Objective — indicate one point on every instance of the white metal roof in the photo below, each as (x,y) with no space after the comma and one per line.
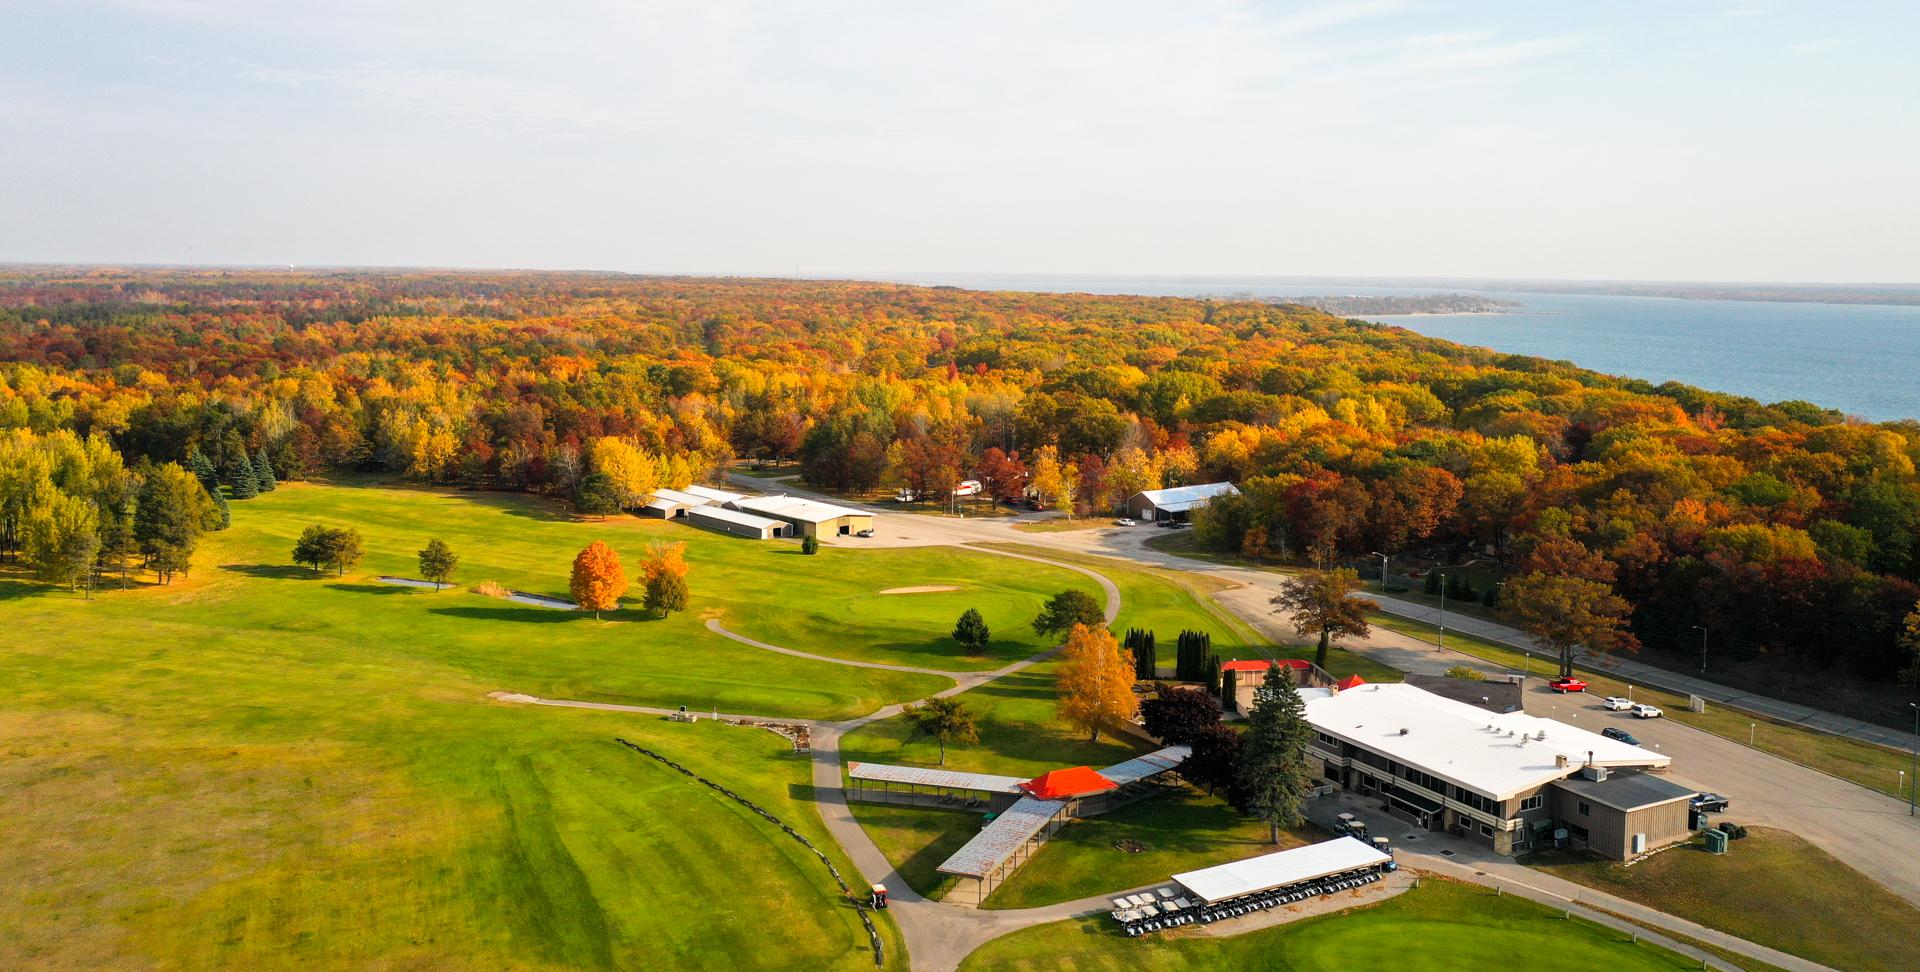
(805,510)
(1278,870)
(1494,754)
(933,777)
(664,505)
(1176,499)
(712,495)
(1152,764)
(678,497)
(733,516)
(998,840)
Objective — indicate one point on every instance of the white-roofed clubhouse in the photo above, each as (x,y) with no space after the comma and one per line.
(1175,502)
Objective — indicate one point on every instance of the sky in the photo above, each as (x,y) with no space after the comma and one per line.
(1744,140)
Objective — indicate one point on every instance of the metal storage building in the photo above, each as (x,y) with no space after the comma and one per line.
(808,517)
(737,523)
(1177,502)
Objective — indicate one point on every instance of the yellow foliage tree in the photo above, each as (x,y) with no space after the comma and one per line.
(634,473)
(664,560)
(1096,681)
(598,580)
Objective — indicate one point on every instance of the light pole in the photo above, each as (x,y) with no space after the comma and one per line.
(1442,642)
(1911,792)
(1703,647)
(1383,569)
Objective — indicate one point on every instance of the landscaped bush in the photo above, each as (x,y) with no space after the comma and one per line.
(1733,830)
(1466,674)
(490,589)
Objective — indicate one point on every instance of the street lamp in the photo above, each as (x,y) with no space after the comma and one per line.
(1703,648)
(1383,569)
(1442,642)
(1915,706)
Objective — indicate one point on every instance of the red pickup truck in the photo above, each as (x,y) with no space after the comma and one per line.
(1567,685)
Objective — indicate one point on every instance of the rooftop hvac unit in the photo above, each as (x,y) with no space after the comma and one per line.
(1560,761)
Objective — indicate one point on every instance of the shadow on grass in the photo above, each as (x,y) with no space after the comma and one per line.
(12,589)
(515,504)
(531,614)
(371,588)
(277,571)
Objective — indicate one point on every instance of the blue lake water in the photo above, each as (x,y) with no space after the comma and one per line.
(1862,359)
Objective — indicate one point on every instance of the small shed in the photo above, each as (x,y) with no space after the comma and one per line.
(670,504)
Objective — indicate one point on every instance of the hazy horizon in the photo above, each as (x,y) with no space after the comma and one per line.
(1747,141)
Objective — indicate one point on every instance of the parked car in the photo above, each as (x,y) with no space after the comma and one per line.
(865,533)
(1709,802)
(1567,685)
(1621,734)
(1644,711)
(1167,524)
(1124,521)
(1616,703)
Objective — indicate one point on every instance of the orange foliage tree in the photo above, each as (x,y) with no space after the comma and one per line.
(1096,681)
(664,575)
(598,580)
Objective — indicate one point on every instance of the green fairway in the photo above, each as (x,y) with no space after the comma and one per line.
(916,840)
(1439,925)
(1020,734)
(261,767)
(1773,888)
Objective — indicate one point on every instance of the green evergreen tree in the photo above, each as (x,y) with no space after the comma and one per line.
(666,593)
(1274,773)
(221,515)
(1491,596)
(1432,583)
(202,469)
(240,478)
(1230,690)
(971,632)
(263,472)
(810,545)
(437,562)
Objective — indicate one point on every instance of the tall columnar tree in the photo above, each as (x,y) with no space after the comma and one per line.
(944,721)
(1067,609)
(1230,690)
(437,561)
(263,471)
(971,632)
(202,469)
(1096,681)
(1274,773)
(597,580)
(1320,603)
(1566,614)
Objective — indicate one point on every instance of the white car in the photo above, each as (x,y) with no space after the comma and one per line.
(1617,704)
(1644,711)
(1124,521)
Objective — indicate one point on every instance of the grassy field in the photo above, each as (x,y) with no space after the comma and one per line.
(259,767)
(916,840)
(1874,767)
(1181,830)
(1064,525)
(1772,888)
(1439,925)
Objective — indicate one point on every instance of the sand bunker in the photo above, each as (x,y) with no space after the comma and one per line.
(930,589)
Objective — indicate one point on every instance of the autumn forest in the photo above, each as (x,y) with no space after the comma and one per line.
(131,400)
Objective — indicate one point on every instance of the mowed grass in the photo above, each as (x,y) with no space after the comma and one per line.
(258,767)
(916,840)
(1182,829)
(1439,925)
(1772,888)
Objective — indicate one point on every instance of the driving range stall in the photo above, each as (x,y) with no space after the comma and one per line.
(723,520)
(1242,887)
(808,517)
(1175,502)
(1446,765)
(924,787)
(1022,814)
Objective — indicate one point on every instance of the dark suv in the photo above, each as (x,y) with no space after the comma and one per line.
(1621,734)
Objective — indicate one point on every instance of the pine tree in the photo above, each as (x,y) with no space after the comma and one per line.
(222,515)
(263,472)
(1491,598)
(1432,583)
(240,478)
(202,469)
(1230,690)
(1273,765)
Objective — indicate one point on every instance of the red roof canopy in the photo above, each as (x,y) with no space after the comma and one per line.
(1061,784)
(1261,665)
(1350,681)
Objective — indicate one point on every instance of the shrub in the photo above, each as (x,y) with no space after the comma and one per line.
(489,588)
(1466,674)
(810,545)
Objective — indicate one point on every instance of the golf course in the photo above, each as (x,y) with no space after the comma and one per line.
(264,765)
